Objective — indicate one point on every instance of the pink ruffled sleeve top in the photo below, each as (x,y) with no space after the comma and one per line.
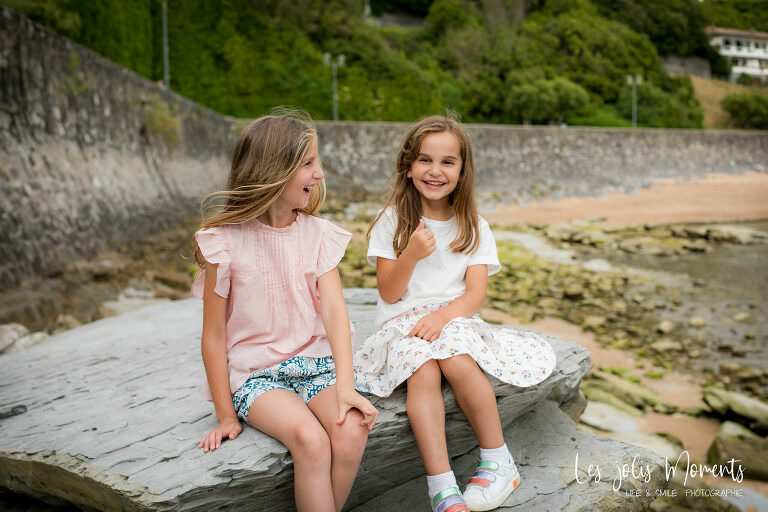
(269,277)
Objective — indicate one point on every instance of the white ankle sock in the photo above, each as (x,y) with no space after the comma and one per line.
(500,454)
(437,483)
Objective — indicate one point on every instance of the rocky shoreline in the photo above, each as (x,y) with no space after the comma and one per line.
(666,323)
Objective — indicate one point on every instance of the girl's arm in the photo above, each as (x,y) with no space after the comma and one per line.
(214,351)
(430,326)
(392,276)
(333,311)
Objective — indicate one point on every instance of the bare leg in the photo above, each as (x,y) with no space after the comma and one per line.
(426,413)
(283,415)
(476,398)
(347,442)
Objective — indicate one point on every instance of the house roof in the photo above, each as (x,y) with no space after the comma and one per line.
(713,30)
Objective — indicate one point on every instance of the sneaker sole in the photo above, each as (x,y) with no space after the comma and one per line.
(514,484)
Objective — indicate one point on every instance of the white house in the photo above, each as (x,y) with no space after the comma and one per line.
(746,50)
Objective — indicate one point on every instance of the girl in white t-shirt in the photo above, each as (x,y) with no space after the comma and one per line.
(433,255)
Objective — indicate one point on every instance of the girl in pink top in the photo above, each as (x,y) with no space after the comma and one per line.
(276,341)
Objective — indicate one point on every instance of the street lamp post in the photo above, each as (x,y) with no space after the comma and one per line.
(166,66)
(334,63)
(634,81)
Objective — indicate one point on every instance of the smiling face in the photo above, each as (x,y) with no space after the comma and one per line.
(435,172)
(308,175)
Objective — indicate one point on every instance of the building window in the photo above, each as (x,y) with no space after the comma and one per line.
(738,45)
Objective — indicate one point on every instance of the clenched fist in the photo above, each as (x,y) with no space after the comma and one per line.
(422,242)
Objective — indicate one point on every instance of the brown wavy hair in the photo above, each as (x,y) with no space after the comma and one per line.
(266,155)
(404,197)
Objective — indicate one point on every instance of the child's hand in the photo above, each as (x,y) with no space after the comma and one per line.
(422,242)
(229,428)
(429,327)
(351,399)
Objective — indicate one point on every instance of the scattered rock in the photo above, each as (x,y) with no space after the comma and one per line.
(697,321)
(599,395)
(736,234)
(736,442)
(665,326)
(747,407)
(696,231)
(666,345)
(9,334)
(177,280)
(731,430)
(65,323)
(162,291)
(619,307)
(27,341)
(628,392)
(593,323)
(605,417)
(654,443)
(744,317)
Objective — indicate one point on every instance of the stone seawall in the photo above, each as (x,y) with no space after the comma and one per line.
(93,156)
(530,162)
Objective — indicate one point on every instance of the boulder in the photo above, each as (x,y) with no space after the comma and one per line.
(725,402)
(113,418)
(627,391)
(605,417)
(736,442)
(28,340)
(9,334)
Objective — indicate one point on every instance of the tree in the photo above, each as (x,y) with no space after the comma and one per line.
(747,110)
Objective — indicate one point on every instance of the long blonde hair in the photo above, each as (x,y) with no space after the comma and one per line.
(406,200)
(267,154)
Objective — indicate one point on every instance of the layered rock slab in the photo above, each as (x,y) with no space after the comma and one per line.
(545,444)
(113,418)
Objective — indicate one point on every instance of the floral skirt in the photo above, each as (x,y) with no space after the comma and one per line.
(388,357)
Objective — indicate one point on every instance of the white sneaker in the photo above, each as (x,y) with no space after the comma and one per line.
(449,500)
(491,485)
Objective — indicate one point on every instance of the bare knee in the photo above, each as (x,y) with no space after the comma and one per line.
(459,367)
(348,439)
(428,376)
(310,443)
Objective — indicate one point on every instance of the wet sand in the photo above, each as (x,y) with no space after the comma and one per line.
(715,197)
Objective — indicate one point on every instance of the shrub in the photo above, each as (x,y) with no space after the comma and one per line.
(747,110)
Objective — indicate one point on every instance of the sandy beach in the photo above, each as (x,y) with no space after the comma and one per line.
(716,197)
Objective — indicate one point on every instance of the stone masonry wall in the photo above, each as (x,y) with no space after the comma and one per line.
(528,162)
(93,156)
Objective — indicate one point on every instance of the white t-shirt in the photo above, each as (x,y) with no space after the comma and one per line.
(440,276)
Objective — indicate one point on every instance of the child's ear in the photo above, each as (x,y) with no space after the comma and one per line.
(409,174)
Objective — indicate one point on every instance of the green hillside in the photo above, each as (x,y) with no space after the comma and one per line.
(500,61)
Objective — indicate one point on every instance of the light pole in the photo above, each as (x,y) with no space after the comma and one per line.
(634,81)
(334,63)
(166,67)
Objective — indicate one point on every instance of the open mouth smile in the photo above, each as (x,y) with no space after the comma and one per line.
(433,185)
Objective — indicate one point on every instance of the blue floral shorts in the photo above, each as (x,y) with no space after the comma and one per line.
(305,376)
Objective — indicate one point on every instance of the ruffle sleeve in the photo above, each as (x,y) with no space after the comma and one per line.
(333,245)
(214,246)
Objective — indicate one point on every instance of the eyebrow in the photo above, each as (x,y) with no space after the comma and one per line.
(452,157)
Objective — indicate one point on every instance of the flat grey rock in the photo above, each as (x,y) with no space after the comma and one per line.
(608,418)
(545,443)
(114,417)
